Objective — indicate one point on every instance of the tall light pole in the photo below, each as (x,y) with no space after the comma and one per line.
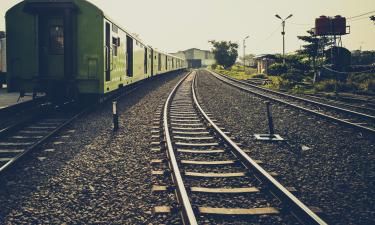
(244,53)
(283,32)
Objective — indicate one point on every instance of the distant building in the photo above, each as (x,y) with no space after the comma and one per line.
(196,57)
(264,61)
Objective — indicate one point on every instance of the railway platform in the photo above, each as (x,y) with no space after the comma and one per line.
(9,99)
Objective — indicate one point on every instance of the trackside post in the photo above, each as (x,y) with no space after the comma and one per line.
(115,116)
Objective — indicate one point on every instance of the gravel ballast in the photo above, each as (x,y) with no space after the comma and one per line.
(88,174)
(331,166)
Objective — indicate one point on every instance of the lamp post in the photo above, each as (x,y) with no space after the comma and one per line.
(244,53)
(283,32)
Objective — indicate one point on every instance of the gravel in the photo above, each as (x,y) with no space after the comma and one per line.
(332,166)
(90,175)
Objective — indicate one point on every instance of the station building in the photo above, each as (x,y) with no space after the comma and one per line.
(196,58)
(264,61)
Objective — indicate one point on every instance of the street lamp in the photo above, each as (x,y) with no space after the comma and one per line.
(244,52)
(283,32)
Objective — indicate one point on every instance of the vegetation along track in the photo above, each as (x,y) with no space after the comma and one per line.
(357,120)
(215,180)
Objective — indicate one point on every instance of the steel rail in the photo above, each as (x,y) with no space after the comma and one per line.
(188,215)
(5,131)
(40,142)
(332,118)
(298,209)
(367,116)
(22,105)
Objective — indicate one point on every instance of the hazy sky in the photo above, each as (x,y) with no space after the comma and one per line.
(173,25)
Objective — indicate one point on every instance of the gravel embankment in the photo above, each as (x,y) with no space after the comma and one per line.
(332,166)
(89,175)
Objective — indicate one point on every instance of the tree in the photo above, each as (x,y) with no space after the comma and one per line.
(225,53)
(313,47)
(249,59)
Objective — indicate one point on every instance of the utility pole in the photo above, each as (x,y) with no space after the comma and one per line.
(283,32)
(244,53)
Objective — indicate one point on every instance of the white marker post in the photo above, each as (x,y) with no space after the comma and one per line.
(115,116)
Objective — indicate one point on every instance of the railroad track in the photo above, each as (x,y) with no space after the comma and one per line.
(20,111)
(215,180)
(21,138)
(357,120)
(362,107)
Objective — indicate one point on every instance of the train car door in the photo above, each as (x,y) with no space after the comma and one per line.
(51,46)
(129,54)
(152,62)
(108,54)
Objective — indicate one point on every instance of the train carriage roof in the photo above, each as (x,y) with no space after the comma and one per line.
(29,4)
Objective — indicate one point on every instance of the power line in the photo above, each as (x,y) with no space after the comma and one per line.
(364,14)
(357,19)
(301,24)
(272,33)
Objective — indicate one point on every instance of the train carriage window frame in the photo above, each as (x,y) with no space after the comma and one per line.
(56,40)
(115,45)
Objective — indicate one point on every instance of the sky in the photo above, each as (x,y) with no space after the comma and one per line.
(173,25)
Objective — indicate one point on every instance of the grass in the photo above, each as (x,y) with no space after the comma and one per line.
(364,84)
(238,72)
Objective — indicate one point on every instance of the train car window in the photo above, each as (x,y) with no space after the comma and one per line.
(145,61)
(159,61)
(107,51)
(114,28)
(166,62)
(115,45)
(56,37)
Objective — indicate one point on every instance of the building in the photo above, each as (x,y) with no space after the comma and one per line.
(264,61)
(196,57)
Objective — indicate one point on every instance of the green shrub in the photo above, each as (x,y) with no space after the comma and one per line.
(277,69)
(285,84)
(331,85)
(214,66)
(260,76)
(293,75)
(368,85)
(361,77)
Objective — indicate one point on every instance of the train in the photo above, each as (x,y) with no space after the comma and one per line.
(71,48)
(3,65)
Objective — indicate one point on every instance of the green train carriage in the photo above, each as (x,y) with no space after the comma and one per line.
(70,47)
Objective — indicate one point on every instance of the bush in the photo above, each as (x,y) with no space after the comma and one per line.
(361,77)
(368,85)
(214,66)
(293,75)
(260,76)
(277,69)
(285,85)
(330,86)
